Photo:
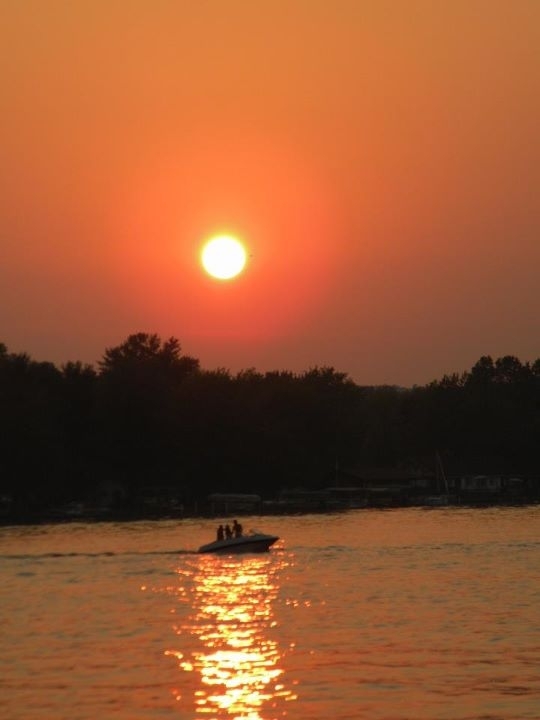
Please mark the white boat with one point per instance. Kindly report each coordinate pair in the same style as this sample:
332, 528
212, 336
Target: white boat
436, 500
441, 498
254, 542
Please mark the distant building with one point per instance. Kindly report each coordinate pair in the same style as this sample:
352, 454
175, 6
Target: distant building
384, 487
226, 503
481, 483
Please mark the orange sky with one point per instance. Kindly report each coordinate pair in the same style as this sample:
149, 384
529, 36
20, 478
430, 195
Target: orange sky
380, 159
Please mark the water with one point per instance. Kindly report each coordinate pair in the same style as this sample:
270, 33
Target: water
369, 615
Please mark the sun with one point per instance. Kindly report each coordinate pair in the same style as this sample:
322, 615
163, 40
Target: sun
223, 257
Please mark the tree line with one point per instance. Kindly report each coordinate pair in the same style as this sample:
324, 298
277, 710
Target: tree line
149, 416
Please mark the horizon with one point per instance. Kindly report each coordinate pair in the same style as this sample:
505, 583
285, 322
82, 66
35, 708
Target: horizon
234, 372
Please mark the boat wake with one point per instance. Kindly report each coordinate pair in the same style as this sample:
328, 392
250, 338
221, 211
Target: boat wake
53, 555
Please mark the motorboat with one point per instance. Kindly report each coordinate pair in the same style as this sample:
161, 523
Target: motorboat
254, 542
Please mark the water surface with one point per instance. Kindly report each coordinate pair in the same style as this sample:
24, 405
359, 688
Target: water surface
383, 615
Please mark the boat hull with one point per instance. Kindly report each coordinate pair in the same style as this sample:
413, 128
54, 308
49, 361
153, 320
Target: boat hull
256, 543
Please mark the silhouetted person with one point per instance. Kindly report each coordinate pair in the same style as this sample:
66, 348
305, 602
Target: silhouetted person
228, 532
220, 533
237, 528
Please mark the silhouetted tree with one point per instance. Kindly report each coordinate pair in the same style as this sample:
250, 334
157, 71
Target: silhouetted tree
150, 417
139, 408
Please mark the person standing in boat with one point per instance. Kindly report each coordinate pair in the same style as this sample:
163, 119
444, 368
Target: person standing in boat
220, 533
228, 531
237, 529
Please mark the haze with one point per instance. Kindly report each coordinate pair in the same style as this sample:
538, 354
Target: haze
380, 160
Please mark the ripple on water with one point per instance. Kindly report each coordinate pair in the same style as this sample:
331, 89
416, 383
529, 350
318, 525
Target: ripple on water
391, 615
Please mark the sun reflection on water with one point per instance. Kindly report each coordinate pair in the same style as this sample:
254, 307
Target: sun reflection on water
236, 658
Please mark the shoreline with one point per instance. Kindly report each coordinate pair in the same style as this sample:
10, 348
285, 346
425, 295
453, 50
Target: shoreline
60, 518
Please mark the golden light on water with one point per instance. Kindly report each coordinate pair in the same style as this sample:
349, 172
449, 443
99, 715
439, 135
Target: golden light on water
236, 657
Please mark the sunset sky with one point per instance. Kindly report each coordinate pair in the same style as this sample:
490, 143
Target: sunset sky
380, 160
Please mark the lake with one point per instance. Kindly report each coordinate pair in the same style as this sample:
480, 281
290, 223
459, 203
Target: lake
405, 614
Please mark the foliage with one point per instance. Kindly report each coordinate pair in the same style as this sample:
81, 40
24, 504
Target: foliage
150, 418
